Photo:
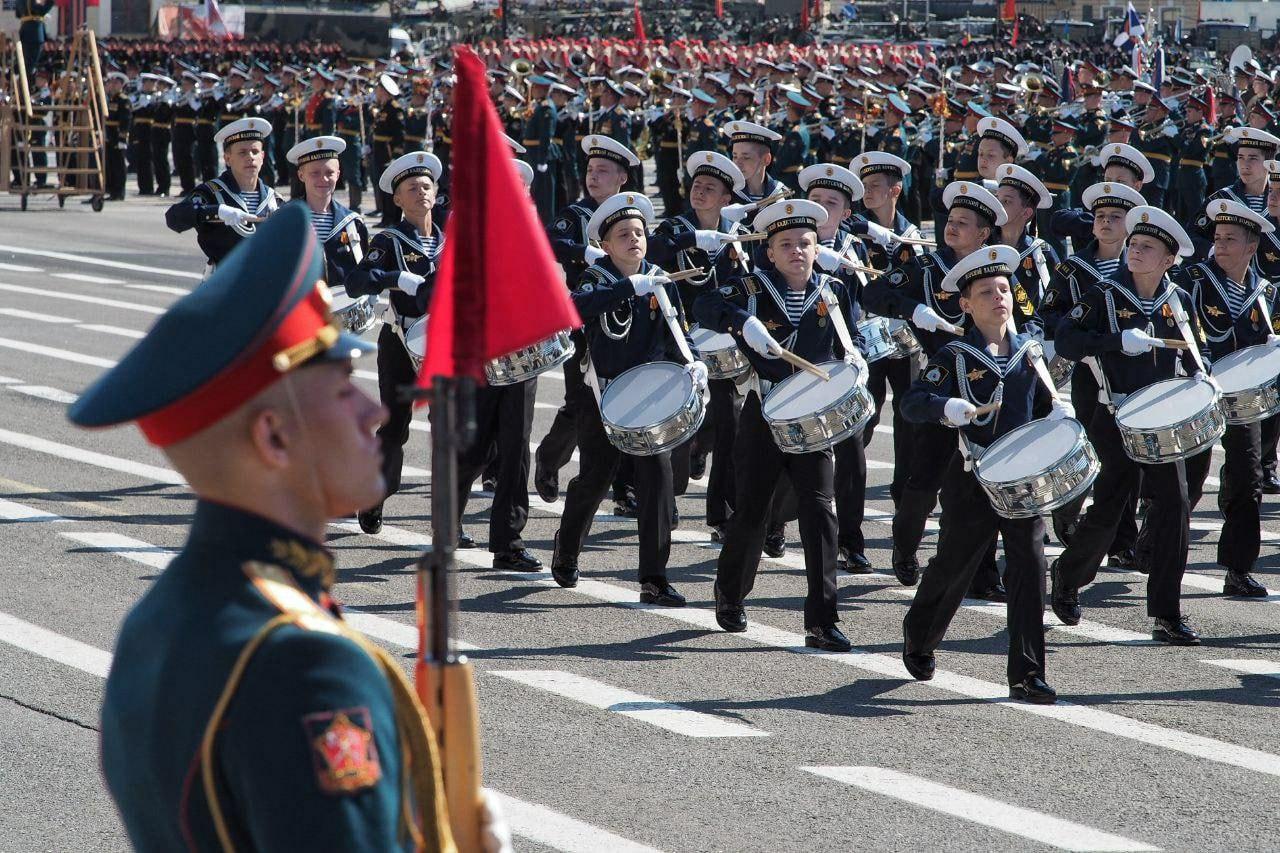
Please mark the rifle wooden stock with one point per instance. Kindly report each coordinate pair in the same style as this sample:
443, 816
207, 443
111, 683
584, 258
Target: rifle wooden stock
460, 747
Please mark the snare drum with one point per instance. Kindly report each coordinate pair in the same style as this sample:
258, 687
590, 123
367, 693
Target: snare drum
354, 313
531, 361
1059, 368
806, 413
1250, 380
900, 331
720, 353
415, 341
651, 409
1170, 420
1037, 467
877, 339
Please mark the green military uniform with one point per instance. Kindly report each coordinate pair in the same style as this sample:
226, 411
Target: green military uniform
1158, 146
538, 138
667, 138
1055, 169
1093, 130
794, 153
1191, 180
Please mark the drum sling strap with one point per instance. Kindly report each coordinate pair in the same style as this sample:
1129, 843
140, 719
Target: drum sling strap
1184, 331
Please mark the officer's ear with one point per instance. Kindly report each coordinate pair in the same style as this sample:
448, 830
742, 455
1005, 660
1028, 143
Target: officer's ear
267, 430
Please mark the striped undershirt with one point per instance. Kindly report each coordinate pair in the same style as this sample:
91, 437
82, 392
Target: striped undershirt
251, 198
1147, 305
1002, 361
322, 223
1108, 268
1237, 296
795, 305
1256, 203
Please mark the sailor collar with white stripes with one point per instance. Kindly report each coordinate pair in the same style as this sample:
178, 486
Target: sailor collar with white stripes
1017, 349
1252, 285
223, 185
413, 241
813, 292
1165, 291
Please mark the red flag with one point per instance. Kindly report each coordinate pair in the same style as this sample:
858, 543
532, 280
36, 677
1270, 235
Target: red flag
639, 23
719, 8
1010, 12
496, 256
1211, 114
1013, 42
804, 14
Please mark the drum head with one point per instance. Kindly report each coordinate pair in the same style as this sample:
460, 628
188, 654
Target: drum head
705, 340
1164, 404
341, 301
804, 394
415, 338
646, 395
1030, 448
1251, 367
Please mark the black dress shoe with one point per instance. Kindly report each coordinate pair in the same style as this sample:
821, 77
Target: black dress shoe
546, 483
1270, 482
371, 520
1064, 600
828, 638
658, 591
717, 533
775, 544
731, 617
516, 560
697, 466
1064, 530
920, 664
564, 567
489, 484
1243, 584
853, 562
906, 569
625, 507
1123, 561
1033, 689
1175, 632
465, 542
995, 593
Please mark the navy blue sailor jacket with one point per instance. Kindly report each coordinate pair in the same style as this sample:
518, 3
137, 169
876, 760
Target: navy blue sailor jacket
568, 236
346, 244
964, 368
1071, 278
199, 210
918, 281
398, 249
1225, 330
673, 247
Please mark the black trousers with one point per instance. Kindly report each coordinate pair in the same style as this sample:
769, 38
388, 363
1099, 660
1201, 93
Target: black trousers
599, 462
115, 167
1168, 519
930, 452
850, 492
395, 370
1270, 436
184, 155
898, 374
723, 415
160, 138
969, 527
1239, 494
760, 465
206, 152
504, 415
140, 159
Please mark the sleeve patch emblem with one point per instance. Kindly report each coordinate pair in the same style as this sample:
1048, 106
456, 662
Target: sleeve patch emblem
376, 255
586, 287
728, 290
562, 224
897, 279
343, 751
936, 374
1079, 312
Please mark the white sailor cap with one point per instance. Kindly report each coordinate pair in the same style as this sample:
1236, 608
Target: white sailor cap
237, 71
515, 146
1111, 194
210, 77
561, 87
1222, 211
386, 81
717, 166
118, 75
525, 171
615, 209
510, 92
1126, 155
977, 198
833, 177
879, 161
630, 88
316, 148
1012, 175
147, 76
1251, 137
790, 213
1273, 170
749, 131
186, 75
168, 81
1154, 222
251, 129
599, 145
993, 127
986, 262
409, 166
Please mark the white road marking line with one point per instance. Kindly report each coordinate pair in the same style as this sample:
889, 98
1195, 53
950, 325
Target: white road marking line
391, 631
44, 392
76, 297
159, 288
90, 327
10, 511
89, 457
54, 647
87, 279
1015, 820
9, 380
122, 546
1248, 667
597, 694
112, 330
54, 352
99, 262
33, 315
19, 268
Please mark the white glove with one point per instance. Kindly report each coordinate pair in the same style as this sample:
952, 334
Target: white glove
591, 254
1273, 340
495, 834
365, 150
1136, 342
959, 412
1170, 131
926, 318
542, 167
1201, 376
709, 241
855, 359
828, 132
882, 236
697, 371
123, 146
940, 175
1061, 409
829, 259
758, 338
735, 212
232, 216
647, 284
409, 283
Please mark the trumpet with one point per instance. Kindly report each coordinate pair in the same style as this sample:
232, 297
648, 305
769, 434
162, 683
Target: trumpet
659, 76
521, 68
579, 60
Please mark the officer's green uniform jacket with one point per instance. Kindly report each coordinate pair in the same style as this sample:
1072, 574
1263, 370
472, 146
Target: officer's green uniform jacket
232, 678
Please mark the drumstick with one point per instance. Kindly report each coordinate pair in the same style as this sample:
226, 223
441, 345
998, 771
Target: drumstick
1173, 343
683, 274
915, 241
807, 366
255, 219
993, 406
744, 238
848, 264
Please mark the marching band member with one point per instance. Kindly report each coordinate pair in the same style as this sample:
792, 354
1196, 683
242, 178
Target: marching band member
624, 328
751, 146
341, 231
990, 361
1233, 309
999, 142
913, 291
402, 263
765, 310
1121, 164
225, 209
1022, 194
1253, 149
1110, 323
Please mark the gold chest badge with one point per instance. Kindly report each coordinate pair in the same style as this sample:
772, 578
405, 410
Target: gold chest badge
976, 374
1125, 313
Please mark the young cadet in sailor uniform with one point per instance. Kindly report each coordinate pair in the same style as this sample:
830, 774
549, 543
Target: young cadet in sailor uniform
1023, 194
608, 165
1119, 163
751, 147
913, 291
242, 711
1099, 260
991, 361
1253, 149
402, 263
765, 311
1119, 322
694, 239
625, 328
224, 210
341, 231
1235, 312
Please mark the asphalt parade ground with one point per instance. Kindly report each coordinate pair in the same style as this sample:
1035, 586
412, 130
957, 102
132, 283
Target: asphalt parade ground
610, 726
